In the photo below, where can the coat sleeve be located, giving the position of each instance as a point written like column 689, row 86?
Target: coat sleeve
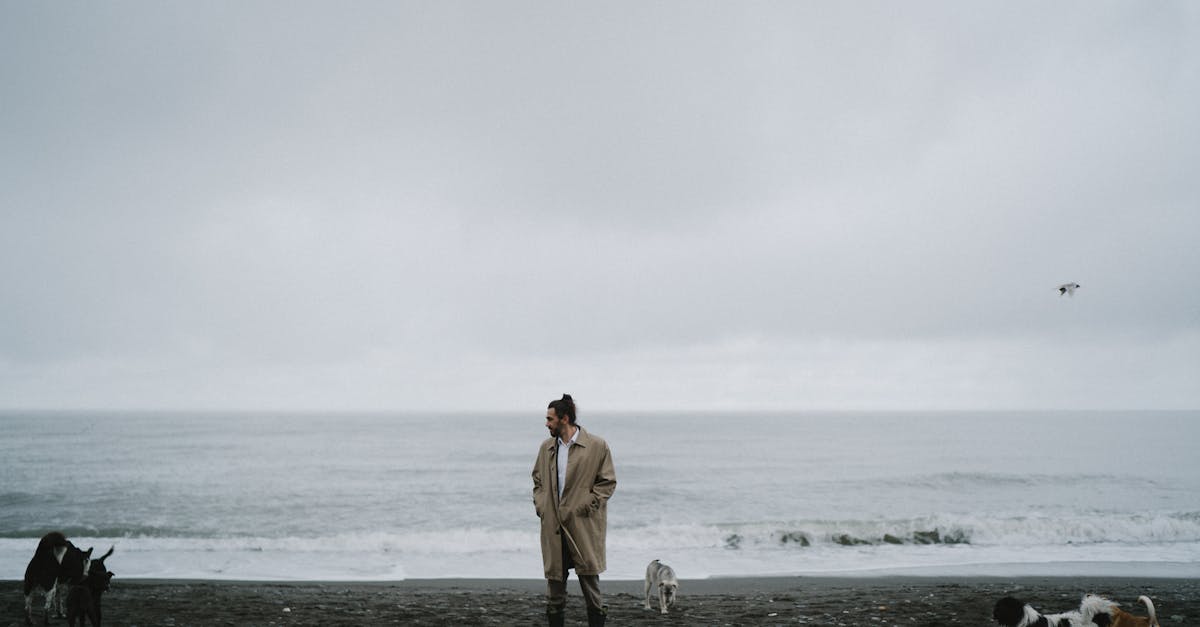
column 537, row 486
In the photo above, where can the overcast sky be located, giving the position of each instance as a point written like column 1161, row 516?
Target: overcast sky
column 649, row 205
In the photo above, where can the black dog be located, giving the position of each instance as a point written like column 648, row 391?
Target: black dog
column 55, row 564
column 84, row 597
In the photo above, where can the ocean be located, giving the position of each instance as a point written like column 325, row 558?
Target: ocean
column 307, row 496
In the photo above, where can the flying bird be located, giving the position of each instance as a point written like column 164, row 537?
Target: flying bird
column 1068, row 289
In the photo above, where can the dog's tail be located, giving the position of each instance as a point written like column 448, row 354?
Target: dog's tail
column 1149, row 608
column 105, row 556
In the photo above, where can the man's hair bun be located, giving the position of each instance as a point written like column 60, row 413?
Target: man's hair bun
column 564, row 406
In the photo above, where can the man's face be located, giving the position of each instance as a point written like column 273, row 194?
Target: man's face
column 554, row 423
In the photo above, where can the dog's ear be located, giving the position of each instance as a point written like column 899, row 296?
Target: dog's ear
column 87, row 555
column 1009, row 612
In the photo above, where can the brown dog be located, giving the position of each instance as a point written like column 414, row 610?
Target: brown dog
column 1106, row 613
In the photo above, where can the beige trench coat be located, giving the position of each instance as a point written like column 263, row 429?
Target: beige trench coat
column 581, row 519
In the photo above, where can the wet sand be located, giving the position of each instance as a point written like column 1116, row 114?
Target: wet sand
column 874, row 601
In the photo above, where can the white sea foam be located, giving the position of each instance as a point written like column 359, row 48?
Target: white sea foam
column 333, row 559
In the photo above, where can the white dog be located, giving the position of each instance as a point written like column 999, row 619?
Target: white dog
column 661, row 577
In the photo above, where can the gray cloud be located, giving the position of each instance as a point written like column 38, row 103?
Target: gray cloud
column 405, row 205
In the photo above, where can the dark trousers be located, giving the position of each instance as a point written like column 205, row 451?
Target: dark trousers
column 556, row 591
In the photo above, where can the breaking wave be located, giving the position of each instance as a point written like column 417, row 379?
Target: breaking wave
column 750, row 547
column 1013, row 531
column 935, row 530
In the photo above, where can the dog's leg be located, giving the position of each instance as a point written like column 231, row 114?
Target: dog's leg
column 647, row 593
column 50, row 597
column 73, row 608
column 662, row 599
column 60, row 600
column 29, row 608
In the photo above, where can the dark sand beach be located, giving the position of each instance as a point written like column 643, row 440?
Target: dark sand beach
column 907, row 601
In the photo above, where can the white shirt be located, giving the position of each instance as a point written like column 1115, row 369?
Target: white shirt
column 564, row 449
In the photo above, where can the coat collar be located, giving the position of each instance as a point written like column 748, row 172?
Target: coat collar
column 581, row 440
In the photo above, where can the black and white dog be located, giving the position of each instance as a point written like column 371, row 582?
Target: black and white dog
column 56, row 563
column 83, row 599
column 1094, row 611
column 661, row 580
column 1011, row 612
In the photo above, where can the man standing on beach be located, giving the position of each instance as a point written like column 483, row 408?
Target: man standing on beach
column 573, row 478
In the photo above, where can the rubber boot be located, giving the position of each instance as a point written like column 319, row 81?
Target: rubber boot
column 556, row 617
column 597, row 616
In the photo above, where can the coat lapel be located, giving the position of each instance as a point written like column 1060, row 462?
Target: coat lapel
column 573, row 461
column 575, row 451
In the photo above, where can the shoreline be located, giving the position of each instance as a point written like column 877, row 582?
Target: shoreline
column 923, row 601
column 711, row 585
